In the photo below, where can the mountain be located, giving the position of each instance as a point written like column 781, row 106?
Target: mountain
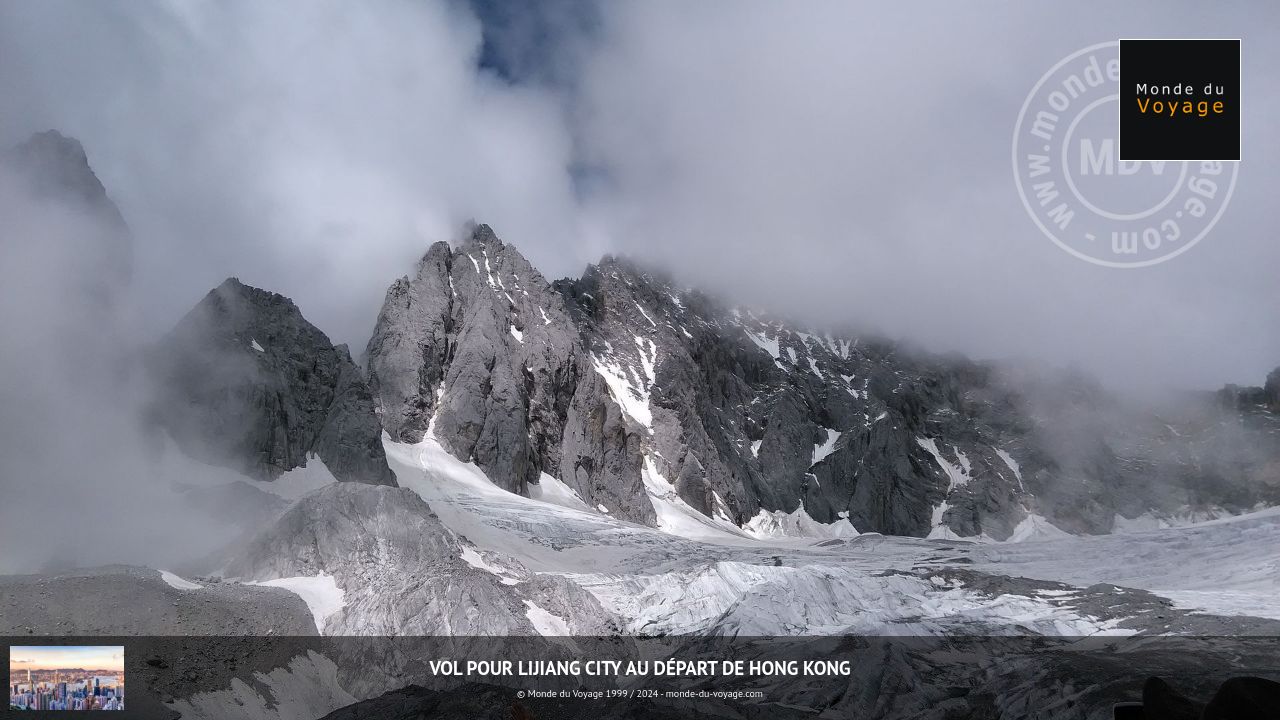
column 1253, row 399
column 244, row 381
column 54, row 170
column 56, row 166
column 479, row 348
column 653, row 402
column 397, row 570
column 616, row 466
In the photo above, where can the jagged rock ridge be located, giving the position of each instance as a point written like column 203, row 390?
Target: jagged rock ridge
column 244, row 381
column 644, row 397
column 478, row 347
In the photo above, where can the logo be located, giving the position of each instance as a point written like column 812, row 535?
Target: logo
column 1180, row 99
column 1107, row 211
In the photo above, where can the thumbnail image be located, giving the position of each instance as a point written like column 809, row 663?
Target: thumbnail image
column 66, row 677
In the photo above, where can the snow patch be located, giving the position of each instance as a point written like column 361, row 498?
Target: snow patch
column 1013, row 465
column 772, row 525
column 957, row 476
column 321, row 594
column 646, row 315
column 519, row 336
column 719, row 508
column 1035, row 528
column 648, row 358
column 300, row 480
column 476, row 560
column 546, row 623
column 863, row 394
column 826, row 448
column 769, row 346
column 551, row 490
column 177, row 582
column 494, row 284
column 633, row 398
column 936, row 520
column 435, row 413
column 289, row 486
column 677, row 517
column 254, row 344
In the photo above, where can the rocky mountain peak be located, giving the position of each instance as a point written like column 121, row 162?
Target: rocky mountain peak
column 245, row 381
column 660, row 405
column 480, row 235
column 53, row 168
column 56, row 166
column 479, row 349
column 52, row 162
column 237, row 305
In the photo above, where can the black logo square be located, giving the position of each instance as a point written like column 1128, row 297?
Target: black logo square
column 1179, row 99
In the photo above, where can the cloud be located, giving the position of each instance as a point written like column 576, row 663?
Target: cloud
column 78, row 475
column 850, row 162
column 312, row 148
column 836, row 162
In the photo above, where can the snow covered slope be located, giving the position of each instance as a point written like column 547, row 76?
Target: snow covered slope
column 1229, row 566
column 719, row 581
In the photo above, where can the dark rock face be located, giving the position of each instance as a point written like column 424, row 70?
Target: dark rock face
column 478, row 347
column 630, row 390
column 1253, row 399
column 408, row 351
column 604, row 452
column 244, row 381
